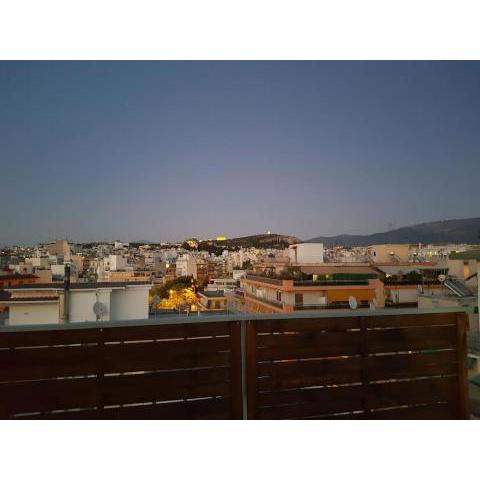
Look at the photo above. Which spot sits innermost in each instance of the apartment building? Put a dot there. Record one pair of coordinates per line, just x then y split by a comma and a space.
186, 266
212, 301
390, 253
305, 253
268, 294
222, 284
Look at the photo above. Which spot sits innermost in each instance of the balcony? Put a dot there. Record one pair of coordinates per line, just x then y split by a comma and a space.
328, 283
328, 306
273, 303
406, 364
263, 279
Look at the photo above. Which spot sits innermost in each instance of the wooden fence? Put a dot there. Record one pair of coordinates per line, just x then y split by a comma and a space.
393, 366
159, 371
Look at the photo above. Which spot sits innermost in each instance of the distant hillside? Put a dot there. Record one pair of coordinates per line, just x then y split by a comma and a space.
465, 230
265, 240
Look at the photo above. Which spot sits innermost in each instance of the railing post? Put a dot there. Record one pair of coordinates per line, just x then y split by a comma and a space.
100, 371
364, 364
463, 400
236, 398
251, 367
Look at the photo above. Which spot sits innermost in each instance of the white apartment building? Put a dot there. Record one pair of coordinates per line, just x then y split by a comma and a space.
186, 266
50, 303
225, 284
115, 262
304, 253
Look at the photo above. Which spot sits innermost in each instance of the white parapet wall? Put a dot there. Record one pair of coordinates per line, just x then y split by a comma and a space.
33, 313
129, 303
306, 253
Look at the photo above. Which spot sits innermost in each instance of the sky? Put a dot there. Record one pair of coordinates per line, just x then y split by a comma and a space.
163, 151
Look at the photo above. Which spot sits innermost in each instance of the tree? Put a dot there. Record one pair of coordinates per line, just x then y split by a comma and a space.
246, 265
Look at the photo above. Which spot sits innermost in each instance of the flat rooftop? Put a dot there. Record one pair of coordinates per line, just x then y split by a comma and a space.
77, 285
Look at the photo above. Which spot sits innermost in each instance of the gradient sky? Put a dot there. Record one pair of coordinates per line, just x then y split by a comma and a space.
167, 150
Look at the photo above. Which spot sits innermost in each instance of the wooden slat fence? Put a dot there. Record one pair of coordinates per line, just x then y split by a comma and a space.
187, 371
355, 367
377, 367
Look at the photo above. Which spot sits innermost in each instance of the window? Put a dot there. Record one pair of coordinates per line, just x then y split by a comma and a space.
279, 296
298, 298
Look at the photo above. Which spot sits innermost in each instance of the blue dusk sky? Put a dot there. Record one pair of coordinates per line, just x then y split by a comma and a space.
167, 150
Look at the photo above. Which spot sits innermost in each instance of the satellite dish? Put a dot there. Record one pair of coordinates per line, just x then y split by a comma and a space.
156, 300
99, 309
352, 302
442, 278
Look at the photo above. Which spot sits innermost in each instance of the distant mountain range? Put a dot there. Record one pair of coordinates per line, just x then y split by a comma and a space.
466, 230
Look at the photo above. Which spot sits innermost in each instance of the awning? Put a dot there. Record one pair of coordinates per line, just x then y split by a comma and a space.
343, 295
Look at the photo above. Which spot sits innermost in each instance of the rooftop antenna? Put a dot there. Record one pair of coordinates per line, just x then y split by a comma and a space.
391, 227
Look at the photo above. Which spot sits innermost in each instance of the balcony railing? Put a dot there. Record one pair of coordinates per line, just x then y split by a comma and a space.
328, 283
327, 306
406, 364
259, 278
273, 303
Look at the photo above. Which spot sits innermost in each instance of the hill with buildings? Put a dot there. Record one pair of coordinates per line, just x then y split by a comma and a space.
466, 230
264, 240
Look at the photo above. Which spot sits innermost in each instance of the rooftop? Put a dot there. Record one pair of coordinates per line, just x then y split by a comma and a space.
212, 293
17, 276
77, 285
468, 255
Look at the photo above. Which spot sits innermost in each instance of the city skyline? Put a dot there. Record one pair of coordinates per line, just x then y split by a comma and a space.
168, 150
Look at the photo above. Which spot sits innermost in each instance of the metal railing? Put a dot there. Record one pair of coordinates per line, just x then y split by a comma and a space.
259, 278
328, 283
328, 306
274, 303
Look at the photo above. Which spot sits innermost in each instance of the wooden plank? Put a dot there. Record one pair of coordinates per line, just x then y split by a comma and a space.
397, 393
384, 367
425, 412
48, 395
310, 402
307, 324
173, 385
209, 409
463, 399
236, 371
415, 338
47, 337
151, 332
303, 373
130, 357
284, 347
84, 414
412, 320
251, 367
309, 339
429, 412
48, 362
